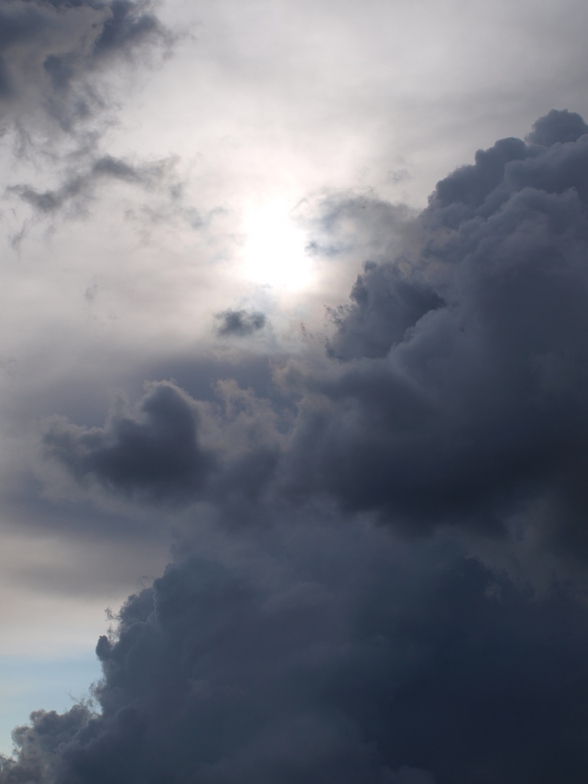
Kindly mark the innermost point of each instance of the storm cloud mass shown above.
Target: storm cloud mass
(328, 675)
(461, 397)
(301, 641)
(236, 339)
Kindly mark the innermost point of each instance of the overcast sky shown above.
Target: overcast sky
(294, 392)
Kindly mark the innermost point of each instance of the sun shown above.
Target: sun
(274, 252)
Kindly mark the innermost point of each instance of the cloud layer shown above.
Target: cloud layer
(154, 453)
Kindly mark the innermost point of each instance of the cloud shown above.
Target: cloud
(171, 449)
(49, 50)
(450, 403)
(352, 660)
(239, 323)
(557, 127)
(340, 223)
(456, 390)
(462, 397)
(152, 452)
(79, 187)
(57, 99)
(386, 304)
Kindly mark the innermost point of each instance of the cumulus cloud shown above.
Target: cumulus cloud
(462, 398)
(458, 394)
(152, 452)
(175, 450)
(353, 660)
(557, 127)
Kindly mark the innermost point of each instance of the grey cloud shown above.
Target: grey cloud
(239, 323)
(342, 223)
(100, 29)
(153, 452)
(52, 731)
(54, 99)
(557, 127)
(117, 168)
(79, 188)
(386, 304)
(324, 648)
(49, 49)
(172, 449)
(352, 660)
(462, 396)
(129, 23)
(18, 24)
(472, 411)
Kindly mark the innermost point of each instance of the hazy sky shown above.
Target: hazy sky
(294, 323)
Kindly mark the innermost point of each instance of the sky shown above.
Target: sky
(294, 383)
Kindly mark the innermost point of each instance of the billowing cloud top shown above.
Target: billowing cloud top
(462, 393)
(457, 394)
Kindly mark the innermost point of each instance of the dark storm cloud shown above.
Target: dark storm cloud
(557, 127)
(172, 449)
(79, 187)
(324, 648)
(459, 391)
(153, 452)
(385, 305)
(463, 395)
(350, 661)
(239, 323)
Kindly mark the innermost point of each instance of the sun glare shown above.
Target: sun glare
(274, 251)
